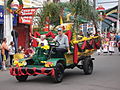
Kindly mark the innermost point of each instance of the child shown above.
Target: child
(29, 52)
(41, 41)
(105, 47)
(20, 49)
(99, 51)
(111, 46)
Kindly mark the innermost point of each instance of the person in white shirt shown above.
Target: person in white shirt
(111, 46)
(105, 47)
(11, 51)
(41, 41)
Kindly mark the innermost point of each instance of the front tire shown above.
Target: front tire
(88, 66)
(22, 78)
(59, 72)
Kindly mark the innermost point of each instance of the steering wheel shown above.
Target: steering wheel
(55, 44)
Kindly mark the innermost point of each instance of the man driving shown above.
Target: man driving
(63, 42)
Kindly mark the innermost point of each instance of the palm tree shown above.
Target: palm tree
(50, 13)
(83, 9)
(79, 8)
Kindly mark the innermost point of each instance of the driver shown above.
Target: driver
(63, 41)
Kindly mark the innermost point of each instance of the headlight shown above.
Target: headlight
(49, 64)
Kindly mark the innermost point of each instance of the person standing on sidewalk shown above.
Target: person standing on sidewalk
(4, 53)
(111, 46)
(11, 52)
(118, 45)
(0, 59)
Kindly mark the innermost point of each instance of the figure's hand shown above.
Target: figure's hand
(69, 52)
(30, 35)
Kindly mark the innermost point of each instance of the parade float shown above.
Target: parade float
(47, 62)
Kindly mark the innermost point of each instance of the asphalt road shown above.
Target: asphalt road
(105, 76)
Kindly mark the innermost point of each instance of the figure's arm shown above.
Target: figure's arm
(55, 39)
(67, 45)
(34, 37)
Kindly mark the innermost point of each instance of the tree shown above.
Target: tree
(83, 9)
(51, 11)
(78, 8)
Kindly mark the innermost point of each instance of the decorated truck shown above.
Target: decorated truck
(46, 61)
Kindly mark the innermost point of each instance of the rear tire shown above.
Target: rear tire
(88, 66)
(22, 78)
(59, 73)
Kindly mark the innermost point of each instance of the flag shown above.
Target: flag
(61, 20)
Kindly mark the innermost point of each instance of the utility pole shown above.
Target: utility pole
(94, 3)
(8, 24)
(118, 18)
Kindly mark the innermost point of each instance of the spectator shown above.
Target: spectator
(20, 49)
(105, 46)
(117, 37)
(111, 46)
(29, 52)
(11, 51)
(4, 53)
(118, 45)
(0, 59)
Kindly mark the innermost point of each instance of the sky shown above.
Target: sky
(106, 5)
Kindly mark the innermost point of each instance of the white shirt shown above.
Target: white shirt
(11, 50)
(42, 43)
(105, 47)
(111, 45)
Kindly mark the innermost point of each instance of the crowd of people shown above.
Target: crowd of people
(5, 52)
(110, 41)
(8, 51)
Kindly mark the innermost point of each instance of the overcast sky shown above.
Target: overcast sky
(106, 5)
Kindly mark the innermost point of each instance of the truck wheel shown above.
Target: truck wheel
(22, 78)
(59, 71)
(88, 66)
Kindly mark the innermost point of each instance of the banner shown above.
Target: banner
(25, 19)
(28, 11)
(1, 16)
(26, 15)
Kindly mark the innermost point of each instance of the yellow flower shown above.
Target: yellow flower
(46, 47)
(43, 61)
(17, 63)
(75, 41)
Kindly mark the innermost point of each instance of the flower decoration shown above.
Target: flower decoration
(17, 11)
(46, 47)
